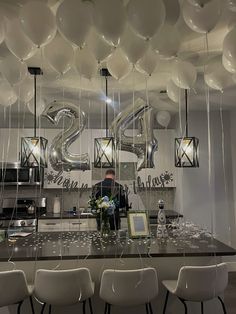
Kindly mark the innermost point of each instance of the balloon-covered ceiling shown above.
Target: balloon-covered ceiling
(152, 45)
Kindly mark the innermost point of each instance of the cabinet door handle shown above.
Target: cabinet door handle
(50, 223)
(76, 223)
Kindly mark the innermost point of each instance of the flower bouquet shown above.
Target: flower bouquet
(103, 208)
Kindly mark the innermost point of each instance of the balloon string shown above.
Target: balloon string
(223, 164)
(207, 95)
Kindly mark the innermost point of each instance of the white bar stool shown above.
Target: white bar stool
(64, 287)
(14, 289)
(129, 288)
(198, 284)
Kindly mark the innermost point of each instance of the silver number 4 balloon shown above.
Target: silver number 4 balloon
(144, 144)
(59, 156)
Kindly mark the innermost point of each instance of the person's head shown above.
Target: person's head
(110, 174)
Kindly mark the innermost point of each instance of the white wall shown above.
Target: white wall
(209, 205)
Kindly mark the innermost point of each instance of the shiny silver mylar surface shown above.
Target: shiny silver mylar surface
(59, 155)
(144, 144)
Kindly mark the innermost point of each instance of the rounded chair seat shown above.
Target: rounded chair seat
(198, 284)
(129, 288)
(64, 287)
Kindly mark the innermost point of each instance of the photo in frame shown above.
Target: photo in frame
(138, 224)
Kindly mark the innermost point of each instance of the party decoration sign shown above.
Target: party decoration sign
(144, 144)
(59, 156)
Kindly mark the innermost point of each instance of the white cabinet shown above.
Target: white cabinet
(48, 225)
(51, 225)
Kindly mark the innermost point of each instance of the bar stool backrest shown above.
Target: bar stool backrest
(13, 287)
(63, 287)
(129, 287)
(200, 283)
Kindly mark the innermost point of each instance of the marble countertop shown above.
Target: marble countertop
(81, 245)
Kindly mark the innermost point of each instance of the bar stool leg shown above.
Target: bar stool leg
(202, 310)
(19, 306)
(32, 305)
(50, 309)
(90, 306)
(166, 300)
(147, 310)
(223, 305)
(84, 309)
(105, 310)
(43, 307)
(185, 306)
(109, 308)
(150, 308)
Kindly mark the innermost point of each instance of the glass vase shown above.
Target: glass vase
(105, 228)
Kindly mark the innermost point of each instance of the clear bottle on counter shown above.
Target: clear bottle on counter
(161, 221)
(56, 205)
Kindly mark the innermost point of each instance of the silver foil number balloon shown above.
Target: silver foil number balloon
(144, 144)
(59, 156)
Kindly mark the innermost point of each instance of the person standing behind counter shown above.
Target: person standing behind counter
(115, 191)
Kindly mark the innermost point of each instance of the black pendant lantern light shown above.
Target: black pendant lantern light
(34, 149)
(186, 148)
(104, 147)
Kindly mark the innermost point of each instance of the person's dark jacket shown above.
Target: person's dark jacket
(115, 191)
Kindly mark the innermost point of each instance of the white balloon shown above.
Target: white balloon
(38, 22)
(25, 90)
(74, 18)
(2, 28)
(40, 106)
(166, 42)
(199, 3)
(60, 54)
(133, 46)
(4, 51)
(173, 91)
(229, 48)
(163, 118)
(118, 64)
(148, 63)
(146, 17)
(172, 11)
(184, 74)
(109, 19)
(17, 42)
(85, 63)
(216, 76)
(231, 5)
(202, 19)
(7, 94)
(234, 78)
(230, 66)
(13, 70)
(98, 46)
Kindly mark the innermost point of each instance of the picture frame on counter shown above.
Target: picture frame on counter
(138, 225)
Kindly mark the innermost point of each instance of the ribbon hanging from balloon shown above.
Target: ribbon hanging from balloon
(144, 144)
(59, 156)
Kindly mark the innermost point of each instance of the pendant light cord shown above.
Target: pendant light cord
(186, 112)
(106, 107)
(35, 101)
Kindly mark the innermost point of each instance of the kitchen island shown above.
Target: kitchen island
(63, 250)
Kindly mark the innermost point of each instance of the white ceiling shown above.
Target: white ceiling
(90, 94)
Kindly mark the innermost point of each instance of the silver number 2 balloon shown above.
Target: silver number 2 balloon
(59, 156)
(144, 144)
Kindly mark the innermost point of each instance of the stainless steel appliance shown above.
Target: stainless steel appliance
(15, 215)
(13, 174)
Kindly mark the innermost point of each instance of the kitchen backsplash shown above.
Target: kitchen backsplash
(144, 199)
